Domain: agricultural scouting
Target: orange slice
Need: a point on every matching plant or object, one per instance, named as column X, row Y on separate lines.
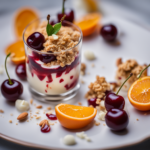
column 23, row 17
column 74, row 117
column 17, row 52
column 139, row 94
column 88, row 23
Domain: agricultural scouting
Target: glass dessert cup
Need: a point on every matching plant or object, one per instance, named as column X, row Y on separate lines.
column 54, row 82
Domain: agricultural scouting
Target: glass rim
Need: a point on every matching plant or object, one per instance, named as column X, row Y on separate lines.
column 80, row 39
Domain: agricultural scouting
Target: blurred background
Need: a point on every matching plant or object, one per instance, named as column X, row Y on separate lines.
column 137, row 11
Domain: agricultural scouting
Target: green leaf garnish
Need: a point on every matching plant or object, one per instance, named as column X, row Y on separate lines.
column 57, row 28
column 49, row 29
column 53, row 30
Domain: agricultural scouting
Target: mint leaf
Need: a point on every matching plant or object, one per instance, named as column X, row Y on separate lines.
column 49, row 29
column 57, row 28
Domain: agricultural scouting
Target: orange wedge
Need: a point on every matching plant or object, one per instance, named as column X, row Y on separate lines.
column 88, row 23
column 23, row 17
column 17, row 52
column 74, row 117
column 139, row 94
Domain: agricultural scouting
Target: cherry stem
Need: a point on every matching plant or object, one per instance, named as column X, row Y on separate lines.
column 62, row 18
column 124, row 83
column 142, row 71
column 63, row 7
column 10, row 82
column 48, row 18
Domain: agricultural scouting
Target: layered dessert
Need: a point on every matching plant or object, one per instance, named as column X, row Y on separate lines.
column 125, row 68
column 55, row 68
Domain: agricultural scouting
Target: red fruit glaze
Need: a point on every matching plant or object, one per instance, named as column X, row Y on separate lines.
column 51, row 116
column 71, row 85
column 45, row 129
column 61, row 80
column 71, row 77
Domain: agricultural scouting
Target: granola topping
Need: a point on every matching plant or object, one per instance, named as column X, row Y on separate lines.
column 130, row 66
column 98, row 89
column 66, row 38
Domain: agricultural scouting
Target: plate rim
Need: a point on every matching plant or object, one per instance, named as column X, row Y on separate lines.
column 33, row 145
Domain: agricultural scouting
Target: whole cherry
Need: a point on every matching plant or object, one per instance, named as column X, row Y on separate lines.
column 109, row 32
column 47, row 58
column 36, row 40
column 21, row 71
column 68, row 12
column 117, row 119
column 11, row 89
column 113, row 100
column 92, row 102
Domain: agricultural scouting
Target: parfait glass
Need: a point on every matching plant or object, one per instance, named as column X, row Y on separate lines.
column 54, row 83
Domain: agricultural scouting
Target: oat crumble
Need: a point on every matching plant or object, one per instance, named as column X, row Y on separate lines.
column 49, row 108
column 31, row 101
column 130, row 66
column 97, row 123
column 10, row 121
column 98, row 89
column 79, row 103
column 83, row 68
column 93, row 65
column 38, row 117
column 67, row 38
column 39, row 106
column 1, row 111
column 118, row 62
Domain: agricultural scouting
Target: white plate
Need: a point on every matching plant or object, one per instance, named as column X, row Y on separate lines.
column 134, row 44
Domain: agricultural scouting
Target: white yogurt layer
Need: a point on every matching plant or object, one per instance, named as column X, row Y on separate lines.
column 54, row 87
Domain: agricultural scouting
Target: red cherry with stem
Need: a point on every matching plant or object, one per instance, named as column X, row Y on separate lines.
column 11, row 89
column 68, row 12
column 116, row 119
column 113, row 100
column 109, row 32
column 36, row 40
column 21, row 71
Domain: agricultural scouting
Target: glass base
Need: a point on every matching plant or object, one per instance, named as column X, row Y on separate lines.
column 55, row 98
